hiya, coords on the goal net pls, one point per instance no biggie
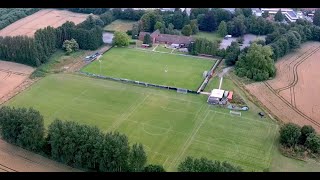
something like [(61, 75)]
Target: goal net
[(235, 113), (182, 91)]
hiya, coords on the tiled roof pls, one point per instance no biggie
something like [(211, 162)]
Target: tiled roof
[(174, 39)]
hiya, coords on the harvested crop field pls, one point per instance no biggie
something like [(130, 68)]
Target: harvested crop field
[(41, 19), (11, 76), (15, 159), (293, 95)]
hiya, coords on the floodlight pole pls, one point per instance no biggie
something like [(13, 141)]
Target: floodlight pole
[(136, 40), (100, 66)]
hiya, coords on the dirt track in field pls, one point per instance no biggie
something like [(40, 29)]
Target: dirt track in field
[(41, 19), (294, 94), (13, 77)]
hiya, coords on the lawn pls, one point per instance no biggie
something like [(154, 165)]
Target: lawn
[(152, 67), (161, 48), (171, 126), (119, 25), (213, 36)]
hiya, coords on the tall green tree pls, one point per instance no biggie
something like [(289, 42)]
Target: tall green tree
[(70, 46), (256, 64), (289, 134), (194, 26), (232, 53), (159, 25), (120, 39), (306, 130), (23, 127), (279, 16), (222, 29), (148, 20), (313, 143), (147, 39), (186, 30), (114, 153), (137, 158)]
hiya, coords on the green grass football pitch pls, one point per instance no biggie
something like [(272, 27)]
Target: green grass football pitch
[(171, 126), (152, 67)]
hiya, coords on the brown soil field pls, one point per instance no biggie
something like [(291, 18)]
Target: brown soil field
[(293, 95), (11, 76), (41, 19), (15, 159)]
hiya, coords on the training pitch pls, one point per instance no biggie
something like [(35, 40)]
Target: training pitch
[(171, 126), (152, 67)]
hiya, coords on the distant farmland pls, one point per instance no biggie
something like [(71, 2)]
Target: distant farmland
[(41, 19)]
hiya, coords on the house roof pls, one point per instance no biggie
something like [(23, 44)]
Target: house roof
[(174, 39), (156, 33)]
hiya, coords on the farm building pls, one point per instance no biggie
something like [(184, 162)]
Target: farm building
[(157, 37)]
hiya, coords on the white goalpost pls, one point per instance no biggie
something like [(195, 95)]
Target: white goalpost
[(235, 113)]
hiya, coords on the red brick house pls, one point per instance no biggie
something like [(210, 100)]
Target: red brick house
[(169, 39)]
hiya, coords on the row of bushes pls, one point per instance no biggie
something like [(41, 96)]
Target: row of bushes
[(296, 140)]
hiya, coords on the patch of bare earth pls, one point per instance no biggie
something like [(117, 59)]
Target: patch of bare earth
[(16, 159), (293, 95), (13, 78), (41, 19)]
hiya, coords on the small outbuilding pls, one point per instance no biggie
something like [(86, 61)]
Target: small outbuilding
[(215, 96), (230, 95)]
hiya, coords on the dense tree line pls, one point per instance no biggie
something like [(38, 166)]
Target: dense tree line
[(36, 50), (89, 10), (11, 15), (300, 138), (127, 14), (76, 145), (204, 46), (209, 20), (205, 165)]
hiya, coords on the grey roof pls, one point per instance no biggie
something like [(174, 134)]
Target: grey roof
[(292, 14)]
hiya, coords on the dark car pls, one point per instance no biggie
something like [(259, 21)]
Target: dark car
[(261, 114)]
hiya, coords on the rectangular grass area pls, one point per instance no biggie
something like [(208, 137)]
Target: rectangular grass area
[(152, 67), (171, 126), (119, 25), (211, 36)]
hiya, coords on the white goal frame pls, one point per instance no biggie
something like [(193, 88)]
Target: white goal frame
[(182, 91), (235, 113)]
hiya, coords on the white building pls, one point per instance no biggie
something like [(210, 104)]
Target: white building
[(257, 12), (215, 96), (287, 12)]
